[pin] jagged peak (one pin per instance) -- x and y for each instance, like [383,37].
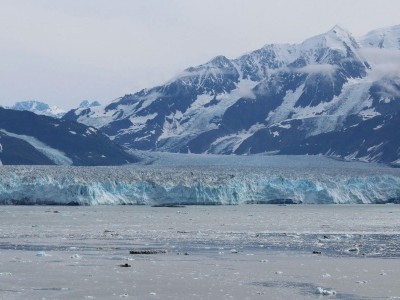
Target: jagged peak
[336,38]
[219,58]
[217,64]
[339,30]
[219,61]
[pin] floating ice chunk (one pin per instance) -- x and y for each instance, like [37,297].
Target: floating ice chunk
[76,256]
[326,275]
[42,254]
[264,261]
[325,292]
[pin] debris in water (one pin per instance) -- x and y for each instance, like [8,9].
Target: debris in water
[325,292]
[125,265]
[354,249]
[148,251]
[42,254]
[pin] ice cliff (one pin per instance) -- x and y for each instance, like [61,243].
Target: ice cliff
[158,185]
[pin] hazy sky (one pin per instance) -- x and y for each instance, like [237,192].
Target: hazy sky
[65,51]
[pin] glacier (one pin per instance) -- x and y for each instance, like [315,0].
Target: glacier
[55,155]
[228,184]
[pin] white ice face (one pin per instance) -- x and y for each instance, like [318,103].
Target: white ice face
[259,179]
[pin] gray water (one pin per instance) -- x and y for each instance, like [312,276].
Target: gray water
[224,252]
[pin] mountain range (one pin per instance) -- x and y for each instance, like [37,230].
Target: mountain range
[42,108]
[332,94]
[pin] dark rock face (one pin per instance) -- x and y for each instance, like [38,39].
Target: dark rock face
[19,152]
[81,144]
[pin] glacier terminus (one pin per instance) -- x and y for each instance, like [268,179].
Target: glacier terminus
[168,181]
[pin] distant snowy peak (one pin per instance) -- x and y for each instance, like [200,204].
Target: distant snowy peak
[336,38]
[387,38]
[39,108]
[86,104]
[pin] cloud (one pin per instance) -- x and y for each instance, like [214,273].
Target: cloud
[389,89]
[313,69]
[384,62]
[70,50]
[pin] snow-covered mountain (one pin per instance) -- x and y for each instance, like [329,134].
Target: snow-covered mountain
[30,139]
[388,38]
[333,94]
[86,103]
[39,108]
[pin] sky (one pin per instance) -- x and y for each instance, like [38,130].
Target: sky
[66,51]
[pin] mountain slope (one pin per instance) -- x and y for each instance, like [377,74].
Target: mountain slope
[276,99]
[27,138]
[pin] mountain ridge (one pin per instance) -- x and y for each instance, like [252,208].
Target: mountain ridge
[31,139]
[273,99]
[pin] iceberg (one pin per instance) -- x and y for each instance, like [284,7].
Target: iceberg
[197,185]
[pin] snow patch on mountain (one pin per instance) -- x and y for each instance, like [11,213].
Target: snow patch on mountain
[287,106]
[231,142]
[138,123]
[95,116]
[204,115]
[369,113]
